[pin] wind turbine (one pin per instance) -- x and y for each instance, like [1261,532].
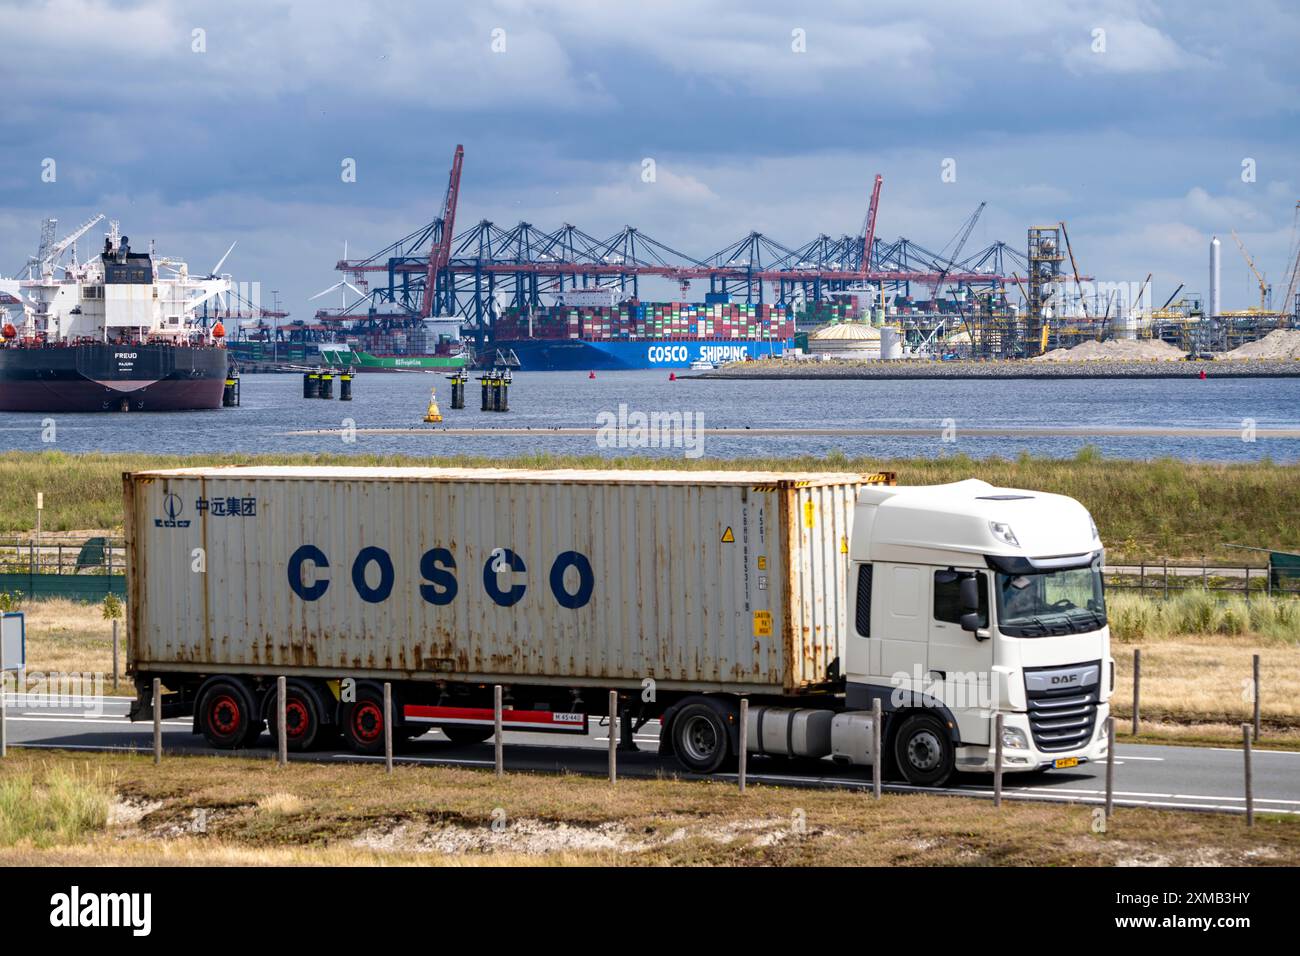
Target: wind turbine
[344,285]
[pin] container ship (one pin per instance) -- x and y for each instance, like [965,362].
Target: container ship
[639,335]
[111,334]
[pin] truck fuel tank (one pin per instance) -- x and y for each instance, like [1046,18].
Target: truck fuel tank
[789,732]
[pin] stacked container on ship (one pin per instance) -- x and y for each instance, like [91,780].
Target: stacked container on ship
[809,594]
[589,330]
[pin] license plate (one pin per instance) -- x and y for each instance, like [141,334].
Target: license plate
[1062,762]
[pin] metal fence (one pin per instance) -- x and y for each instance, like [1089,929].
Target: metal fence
[81,569]
[1165,580]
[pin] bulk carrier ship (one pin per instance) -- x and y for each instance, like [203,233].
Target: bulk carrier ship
[109,334]
[578,335]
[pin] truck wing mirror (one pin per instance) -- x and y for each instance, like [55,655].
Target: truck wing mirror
[969,593]
[971,621]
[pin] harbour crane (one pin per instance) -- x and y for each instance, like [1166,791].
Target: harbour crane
[966,230]
[1078,283]
[50,252]
[1263,285]
[869,224]
[1289,304]
[440,253]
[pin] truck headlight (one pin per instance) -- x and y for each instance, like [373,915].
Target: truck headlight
[1002,531]
[1013,738]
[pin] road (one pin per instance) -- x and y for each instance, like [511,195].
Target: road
[1185,778]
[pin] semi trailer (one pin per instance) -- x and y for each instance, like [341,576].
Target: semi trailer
[812,595]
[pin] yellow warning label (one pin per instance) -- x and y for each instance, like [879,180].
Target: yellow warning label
[808,512]
[762,562]
[728,537]
[844,544]
[762,623]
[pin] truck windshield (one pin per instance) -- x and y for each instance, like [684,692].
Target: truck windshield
[1051,602]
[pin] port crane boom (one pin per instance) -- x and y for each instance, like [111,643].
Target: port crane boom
[1263,285]
[440,253]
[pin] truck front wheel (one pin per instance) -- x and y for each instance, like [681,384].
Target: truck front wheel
[924,751]
[700,738]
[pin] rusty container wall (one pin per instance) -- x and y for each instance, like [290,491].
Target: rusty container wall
[709,580]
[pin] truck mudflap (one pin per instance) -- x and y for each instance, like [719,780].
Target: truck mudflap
[532,721]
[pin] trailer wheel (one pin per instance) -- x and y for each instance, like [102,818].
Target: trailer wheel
[226,714]
[700,739]
[302,716]
[363,722]
[923,751]
[466,733]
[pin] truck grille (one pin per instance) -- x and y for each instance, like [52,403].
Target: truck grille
[1063,718]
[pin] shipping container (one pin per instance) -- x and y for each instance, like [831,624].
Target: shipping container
[720,580]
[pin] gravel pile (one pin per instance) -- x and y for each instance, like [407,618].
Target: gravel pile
[1280,345]
[1115,350]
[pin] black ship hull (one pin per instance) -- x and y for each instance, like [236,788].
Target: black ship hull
[111,378]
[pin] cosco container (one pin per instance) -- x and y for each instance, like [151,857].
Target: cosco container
[717,580]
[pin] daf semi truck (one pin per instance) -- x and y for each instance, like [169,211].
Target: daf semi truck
[810,595]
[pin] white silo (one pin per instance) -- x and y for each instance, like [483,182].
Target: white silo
[1214,276]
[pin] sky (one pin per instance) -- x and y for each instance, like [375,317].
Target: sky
[1147,126]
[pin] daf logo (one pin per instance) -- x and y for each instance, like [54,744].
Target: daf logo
[1065,679]
[172,508]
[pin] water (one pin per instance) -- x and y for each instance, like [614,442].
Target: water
[273,406]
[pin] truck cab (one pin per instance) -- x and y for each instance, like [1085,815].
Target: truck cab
[972,601]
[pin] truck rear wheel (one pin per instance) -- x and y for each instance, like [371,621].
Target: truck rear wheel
[225,711]
[302,716]
[363,722]
[923,751]
[700,739]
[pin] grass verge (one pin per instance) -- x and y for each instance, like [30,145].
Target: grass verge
[200,810]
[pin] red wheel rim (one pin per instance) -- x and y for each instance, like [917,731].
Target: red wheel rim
[224,715]
[367,721]
[297,718]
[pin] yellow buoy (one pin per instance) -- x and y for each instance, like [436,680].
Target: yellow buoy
[434,414]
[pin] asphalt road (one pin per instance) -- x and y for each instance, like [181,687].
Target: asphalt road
[1186,778]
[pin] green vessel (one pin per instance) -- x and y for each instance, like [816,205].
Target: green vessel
[343,356]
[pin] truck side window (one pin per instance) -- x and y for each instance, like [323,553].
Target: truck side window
[947,597]
[863,615]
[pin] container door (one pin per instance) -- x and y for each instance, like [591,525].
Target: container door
[961,663]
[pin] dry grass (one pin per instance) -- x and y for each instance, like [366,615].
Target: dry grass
[233,811]
[1205,680]
[1146,510]
[44,803]
[73,638]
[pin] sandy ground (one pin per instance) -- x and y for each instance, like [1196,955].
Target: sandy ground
[1278,344]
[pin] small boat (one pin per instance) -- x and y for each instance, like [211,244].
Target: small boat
[702,365]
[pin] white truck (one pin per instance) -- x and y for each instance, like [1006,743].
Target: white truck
[811,595]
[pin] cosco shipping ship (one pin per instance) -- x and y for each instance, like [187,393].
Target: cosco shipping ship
[640,335]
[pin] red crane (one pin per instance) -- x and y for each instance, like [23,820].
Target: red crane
[441,253]
[869,229]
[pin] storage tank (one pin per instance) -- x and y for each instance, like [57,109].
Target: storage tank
[695,579]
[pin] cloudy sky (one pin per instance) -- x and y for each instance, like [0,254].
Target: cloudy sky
[1130,120]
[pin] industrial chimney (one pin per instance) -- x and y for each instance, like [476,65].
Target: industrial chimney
[1214,276]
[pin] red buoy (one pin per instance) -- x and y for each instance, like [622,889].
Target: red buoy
[672,376]
[591,375]
[1202,374]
